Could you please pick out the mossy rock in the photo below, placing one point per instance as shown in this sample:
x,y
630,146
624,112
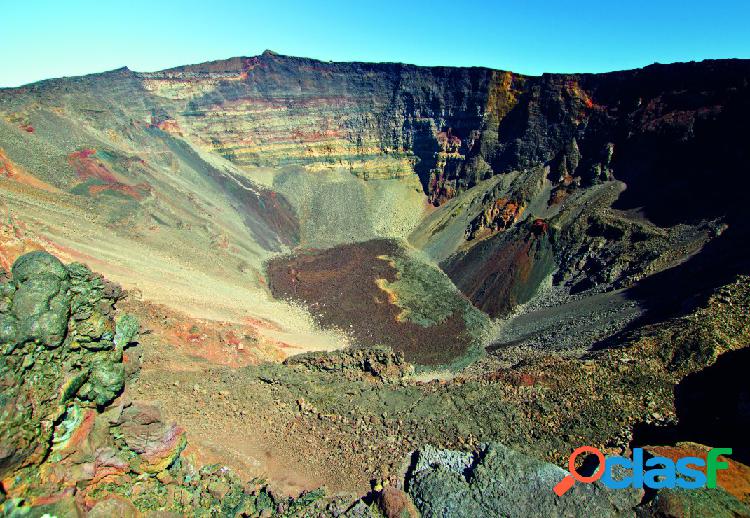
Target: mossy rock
x,y
36,264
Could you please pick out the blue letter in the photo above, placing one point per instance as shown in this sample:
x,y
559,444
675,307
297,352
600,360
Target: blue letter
x,y
609,480
637,467
695,477
667,473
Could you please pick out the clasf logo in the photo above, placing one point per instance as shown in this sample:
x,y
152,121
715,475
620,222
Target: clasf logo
x,y
655,473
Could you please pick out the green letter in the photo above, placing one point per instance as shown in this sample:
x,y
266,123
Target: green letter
x,y
714,465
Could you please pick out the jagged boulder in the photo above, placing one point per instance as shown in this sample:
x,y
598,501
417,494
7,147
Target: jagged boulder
x,y
498,481
157,443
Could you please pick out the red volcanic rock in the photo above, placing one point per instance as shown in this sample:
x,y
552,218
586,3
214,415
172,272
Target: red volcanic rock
x,y
499,216
339,279
396,504
519,379
108,465
448,142
167,125
89,168
6,166
83,153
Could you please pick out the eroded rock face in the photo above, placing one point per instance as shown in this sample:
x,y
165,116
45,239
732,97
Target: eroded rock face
x,y
158,444
504,271
576,141
456,126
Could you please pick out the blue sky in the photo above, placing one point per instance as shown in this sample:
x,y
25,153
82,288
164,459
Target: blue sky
x,y
44,38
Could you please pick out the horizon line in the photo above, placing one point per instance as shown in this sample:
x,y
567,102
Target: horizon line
x,y
269,52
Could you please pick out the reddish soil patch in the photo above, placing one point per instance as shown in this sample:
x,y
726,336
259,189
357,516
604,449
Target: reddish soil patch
x,y
218,343
339,286
88,167
6,166
504,270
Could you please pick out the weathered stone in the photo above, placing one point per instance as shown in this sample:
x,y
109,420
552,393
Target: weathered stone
x,y
126,330
394,503
157,443
502,482
105,381
41,306
696,503
37,264
113,507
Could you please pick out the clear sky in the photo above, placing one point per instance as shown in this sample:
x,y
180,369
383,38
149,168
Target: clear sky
x,y
40,39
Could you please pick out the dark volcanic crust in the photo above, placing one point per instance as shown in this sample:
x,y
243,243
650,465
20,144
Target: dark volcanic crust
x,y
339,287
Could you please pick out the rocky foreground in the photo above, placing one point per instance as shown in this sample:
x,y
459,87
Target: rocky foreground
x,y
77,437
71,441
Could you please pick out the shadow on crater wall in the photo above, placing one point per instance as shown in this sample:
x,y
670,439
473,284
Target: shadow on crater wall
x,y
713,408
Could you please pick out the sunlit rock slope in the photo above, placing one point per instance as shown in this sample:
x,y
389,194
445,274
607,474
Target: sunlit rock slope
x,y
183,183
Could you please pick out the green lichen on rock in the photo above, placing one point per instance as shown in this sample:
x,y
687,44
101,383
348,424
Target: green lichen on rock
x,y
48,311
41,302
126,330
106,380
38,264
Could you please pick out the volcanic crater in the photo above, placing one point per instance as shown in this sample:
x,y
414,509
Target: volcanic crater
x,y
329,270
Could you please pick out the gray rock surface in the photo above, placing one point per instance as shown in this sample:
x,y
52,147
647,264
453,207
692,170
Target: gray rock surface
x,y
503,482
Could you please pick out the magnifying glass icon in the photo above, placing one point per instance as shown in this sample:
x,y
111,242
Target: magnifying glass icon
x,y
565,484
